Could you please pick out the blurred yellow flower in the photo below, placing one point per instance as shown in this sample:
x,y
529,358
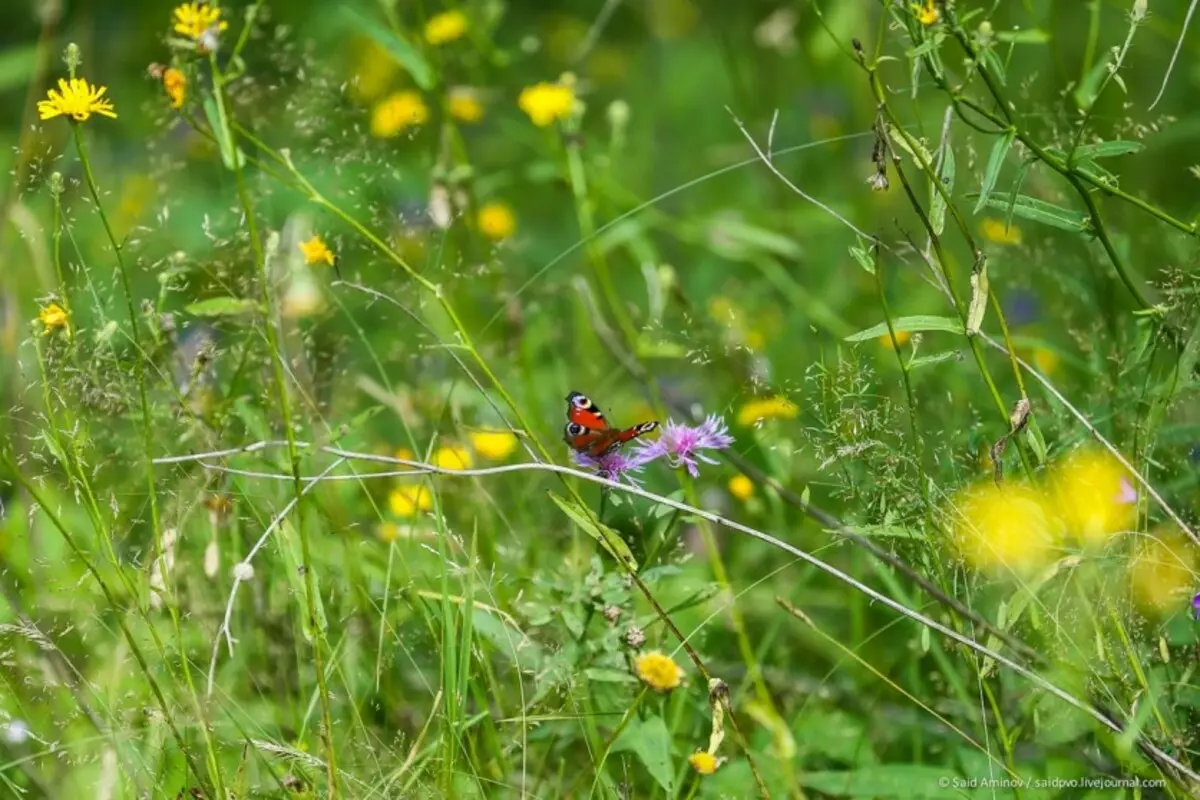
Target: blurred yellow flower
x,y
547,102
704,763
77,99
445,27
778,407
1162,575
409,498
671,19
495,445
194,19
902,338
52,317
374,70
452,457
315,251
388,532
995,231
608,64
1005,527
496,220
741,487
720,308
175,85
404,454
1093,495
464,104
1046,361
658,670
398,112
754,339
927,14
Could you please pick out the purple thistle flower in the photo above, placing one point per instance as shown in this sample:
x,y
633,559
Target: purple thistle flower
x,y
1127,494
1196,605
681,444
613,465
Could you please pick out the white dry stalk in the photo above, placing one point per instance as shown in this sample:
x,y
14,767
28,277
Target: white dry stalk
x,y
420,467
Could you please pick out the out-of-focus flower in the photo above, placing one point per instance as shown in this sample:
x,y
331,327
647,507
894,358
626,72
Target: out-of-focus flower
x,y
1161,574
1196,605
1046,361
1022,307
658,670
996,232
741,487
453,456
16,732
1004,527
409,498
613,465
194,19
778,407
174,85
1093,495
464,104
497,221
77,99
404,454
928,13
396,113
445,27
495,445
303,297
902,338
373,72
547,102
53,317
704,763
635,637
316,251
681,444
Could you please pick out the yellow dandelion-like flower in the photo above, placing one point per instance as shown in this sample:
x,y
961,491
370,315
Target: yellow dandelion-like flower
x,y
741,487
396,113
77,99
704,763
494,445
464,105
547,102
445,27
316,252
778,407
388,532
1045,360
375,67
53,317
1093,495
928,13
409,498
1005,527
175,85
902,338
405,454
194,19
1161,574
658,670
496,221
452,457
995,231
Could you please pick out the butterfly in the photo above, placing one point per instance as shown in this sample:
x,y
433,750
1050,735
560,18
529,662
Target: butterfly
x,y
588,431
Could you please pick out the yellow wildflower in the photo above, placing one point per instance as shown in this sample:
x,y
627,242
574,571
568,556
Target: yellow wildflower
x,y
316,251
452,457
902,338
496,221
52,317
1093,495
445,27
778,407
995,231
927,14
194,19
495,445
396,113
77,99
374,70
1005,527
388,532
658,670
409,498
464,105
547,102
754,339
405,454
1045,360
1161,575
175,85
741,487
704,763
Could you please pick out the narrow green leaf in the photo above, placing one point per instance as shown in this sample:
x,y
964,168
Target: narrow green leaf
x,y
936,358
1026,36
1085,94
222,307
1118,147
1022,172
1035,210
859,251
286,538
609,539
909,324
884,781
979,298
395,43
937,205
650,740
995,163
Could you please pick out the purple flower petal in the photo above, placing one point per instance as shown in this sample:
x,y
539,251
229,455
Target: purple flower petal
x,y
1196,605
681,444
1127,494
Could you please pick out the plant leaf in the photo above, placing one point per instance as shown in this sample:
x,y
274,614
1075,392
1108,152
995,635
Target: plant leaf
x,y
995,163
1035,210
937,205
222,307
409,57
650,740
936,358
609,539
915,323
979,297
1118,147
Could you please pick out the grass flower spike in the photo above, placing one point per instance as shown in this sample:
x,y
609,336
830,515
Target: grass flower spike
x,y
682,444
658,670
76,99
193,20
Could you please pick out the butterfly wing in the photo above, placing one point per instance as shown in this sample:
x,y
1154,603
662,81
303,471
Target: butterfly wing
x,y
588,431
